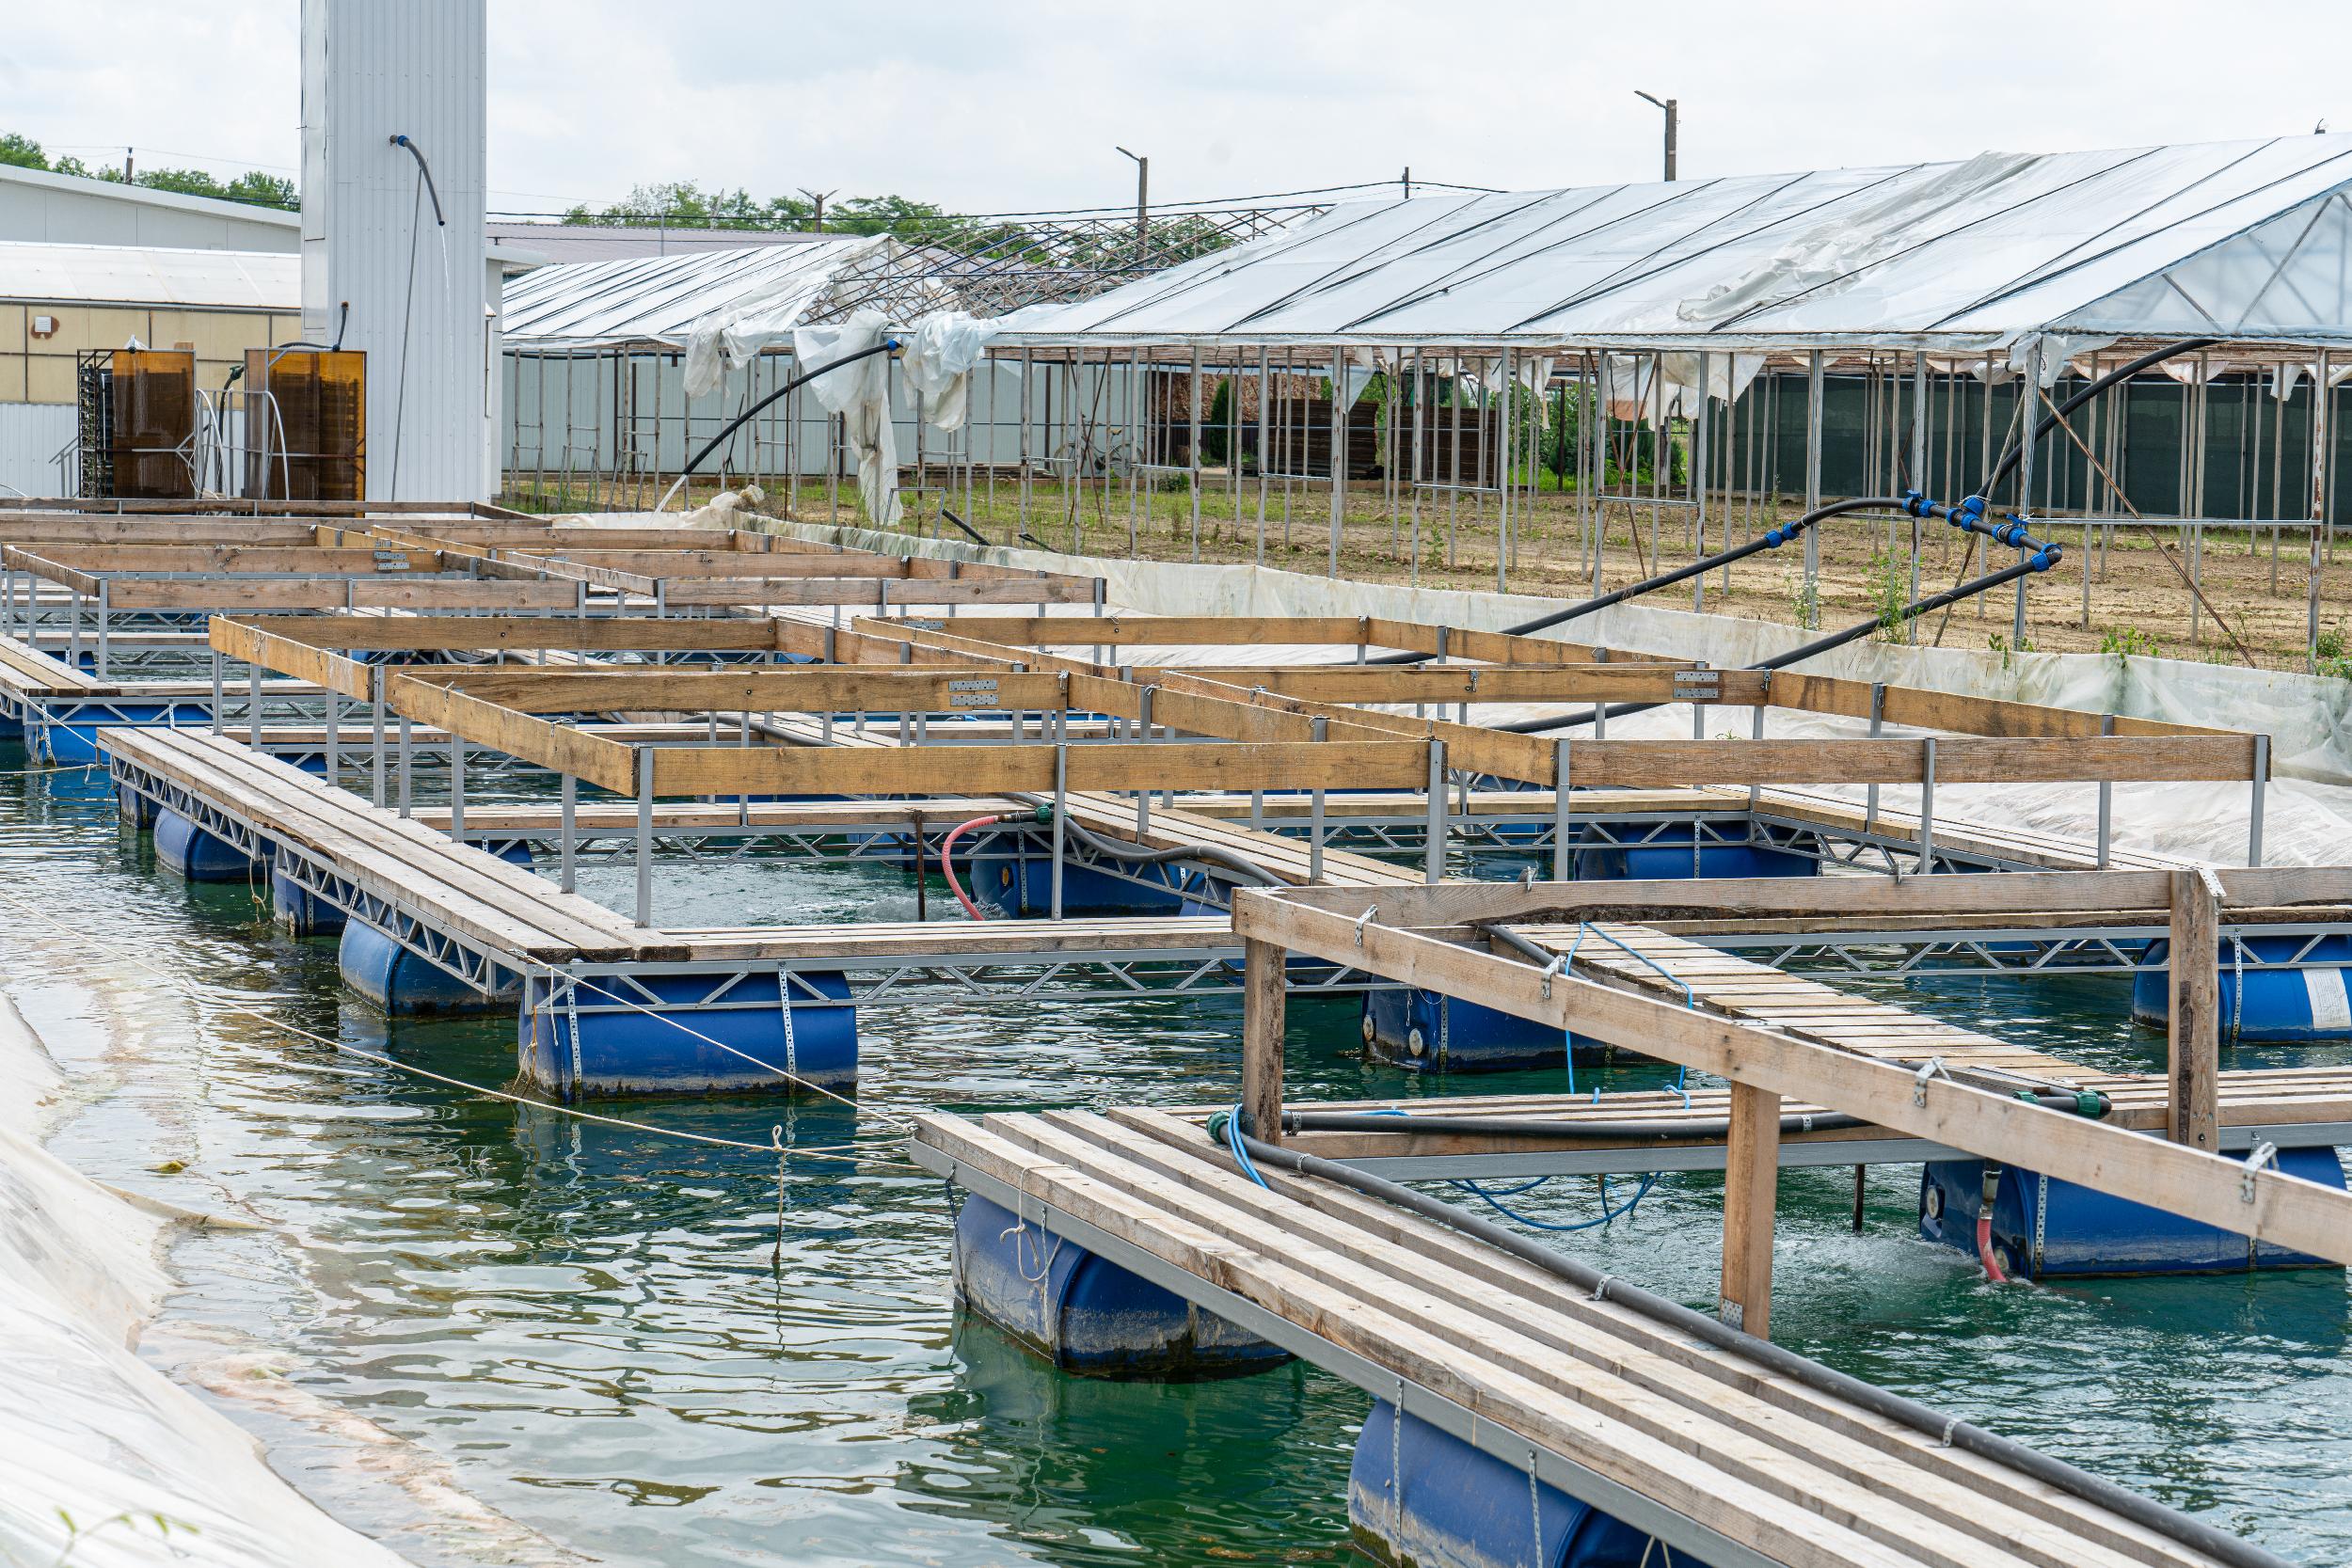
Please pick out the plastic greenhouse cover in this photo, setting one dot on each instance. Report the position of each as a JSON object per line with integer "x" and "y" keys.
{"x": 2232, "y": 237}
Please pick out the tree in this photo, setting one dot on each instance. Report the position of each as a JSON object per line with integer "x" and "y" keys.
{"x": 22, "y": 152}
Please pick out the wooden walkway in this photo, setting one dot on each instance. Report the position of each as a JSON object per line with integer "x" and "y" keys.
{"x": 502, "y": 908}
{"x": 1719, "y": 1457}
{"x": 1632, "y": 958}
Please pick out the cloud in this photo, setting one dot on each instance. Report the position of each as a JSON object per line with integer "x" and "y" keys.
{"x": 1000, "y": 108}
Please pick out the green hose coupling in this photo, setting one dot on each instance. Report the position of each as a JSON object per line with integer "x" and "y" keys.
{"x": 1044, "y": 814}
{"x": 2088, "y": 1103}
{"x": 1216, "y": 1126}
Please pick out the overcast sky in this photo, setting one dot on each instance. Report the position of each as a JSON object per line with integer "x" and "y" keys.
{"x": 997, "y": 107}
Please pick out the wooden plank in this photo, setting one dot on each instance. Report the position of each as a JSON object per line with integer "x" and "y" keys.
{"x": 331, "y": 672}
{"x": 797, "y": 689}
{"x": 1640, "y": 764}
{"x": 1171, "y": 631}
{"x": 1664, "y": 1469}
{"x": 1476, "y": 683}
{"x": 102, "y": 559}
{"x": 989, "y": 770}
{"x": 2194, "y": 1021}
{"x": 1751, "y": 1194}
{"x": 693, "y": 593}
{"x": 592, "y": 633}
{"x": 1482, "y": 1281}
{"x": 392, "y": 592}
{"x": 566, "y": 749}
{"x": 2192, "y": 1182}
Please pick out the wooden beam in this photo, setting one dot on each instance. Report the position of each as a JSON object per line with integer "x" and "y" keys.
{"x": 991, "y": 770}
{"x": 1483, "y": 683}
{"x": 1751, "y": 1194}
{"x": 392, "y": 591}
{"x": 1265, "y": 987}
{"x": 2265, "y": 1204}
{"x": 583, "y": 633}
{"x": 609, "y": 764}
{"x": 804, "y": 689}
{"x": 704, "y": 592}
{"x": 1959, "y": 759}
{"x": 2192, "y": 1110}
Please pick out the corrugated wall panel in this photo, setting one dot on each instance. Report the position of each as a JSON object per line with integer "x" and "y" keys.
{"x": 415, "y": 290}
{"x": 30, "y": 437}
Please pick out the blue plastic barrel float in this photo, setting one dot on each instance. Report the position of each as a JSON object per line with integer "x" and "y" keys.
{"x": 2264, "y": 1005}
{"x": 1419, "y": 1495}
{"x": 612, "y": 1038}
{"x": 74, "y": 743}
{"x": 136, "y": 809}
{"x": 1085, "y": 1315}
{"x": 2046, "y": 1228}
{"x": 302, "y": 913}
{"x": 182, "y": 846}
{"x": 400, "y": 982}
{"x": 1667, "y": 853}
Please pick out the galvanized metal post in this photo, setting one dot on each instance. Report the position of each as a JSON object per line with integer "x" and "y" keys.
{"x": 2254, "y": 814}
{"x": 1562, "y": 838}
{"x": 406, "y": 764}
{"x": 218, "y": 693}
{"x": 2106, "y": 800}
{"x": 566, "y": 837}
{"x": 2031, "y": 390}
{"x": 1315, "y": 813}
{"x": 105, "y": 617}
{"x": 1813, "y": 392}
{"x": 375, "y": 737}
{"x": 457, "y": 787}
{"x": 2320, "y": 441}
{"x": 1143, "y": 797}
{"x": 1434, "y": 854}
{"x": 1878, "y": 724}
{"x": 1061, "y": 810}
{"x": 253, "y": 706}
{"x": 334, "y": 740}
{"x": 1927, "y": 806}
{"x": 1338, "y": 452}
{"x": 645, "y": 835}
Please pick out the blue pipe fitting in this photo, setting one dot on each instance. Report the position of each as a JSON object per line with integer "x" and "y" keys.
{"x": 1918, "y": 504}
{"x": 2046, "y": 557}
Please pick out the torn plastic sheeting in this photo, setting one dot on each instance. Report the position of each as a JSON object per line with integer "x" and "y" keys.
{"x": 1825, "y": 257}
{"x": 2058, "y": 353}
{"x": 860, "y": 393}
{"x": 941, "y": 353}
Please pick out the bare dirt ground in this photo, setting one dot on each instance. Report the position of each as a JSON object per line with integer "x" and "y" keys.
{"x": 2254, "y": 586}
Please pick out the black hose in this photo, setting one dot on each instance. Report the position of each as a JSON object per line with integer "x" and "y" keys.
{"x": 885, "y": 346}
{"x": 1949, "y": 1430}
{"x": 1773, "y": 539}
{"x": 2040, "y": 561}
{"x": 969, "y": 531}
{"x": 2015, "y": 453}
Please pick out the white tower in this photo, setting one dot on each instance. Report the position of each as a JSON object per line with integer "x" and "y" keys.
{"x": 378, "y": 270}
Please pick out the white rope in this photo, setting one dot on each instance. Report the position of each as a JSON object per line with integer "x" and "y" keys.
{"x": 347, "y": 1049}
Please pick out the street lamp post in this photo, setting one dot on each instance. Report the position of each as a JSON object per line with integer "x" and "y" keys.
{"x": 1143, "y": 200}
{"x": 1674, "y": 118}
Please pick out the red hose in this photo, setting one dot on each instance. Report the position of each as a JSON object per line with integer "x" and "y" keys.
{"x": 1984, "y": 1247}
{"x": 947, "y": 868}
{"x": 1990, "y": 1194}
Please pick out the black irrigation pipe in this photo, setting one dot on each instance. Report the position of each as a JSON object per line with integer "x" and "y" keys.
{"x": 1947, "y": 1429}
{"x": 885, "y": 346}
{"x": 2040, "y": 561}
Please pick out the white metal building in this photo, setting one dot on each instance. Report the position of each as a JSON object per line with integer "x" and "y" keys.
{"x": 67, "y": 209}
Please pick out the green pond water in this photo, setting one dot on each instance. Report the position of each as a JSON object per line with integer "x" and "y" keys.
{"x": 601, "y": 1333}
